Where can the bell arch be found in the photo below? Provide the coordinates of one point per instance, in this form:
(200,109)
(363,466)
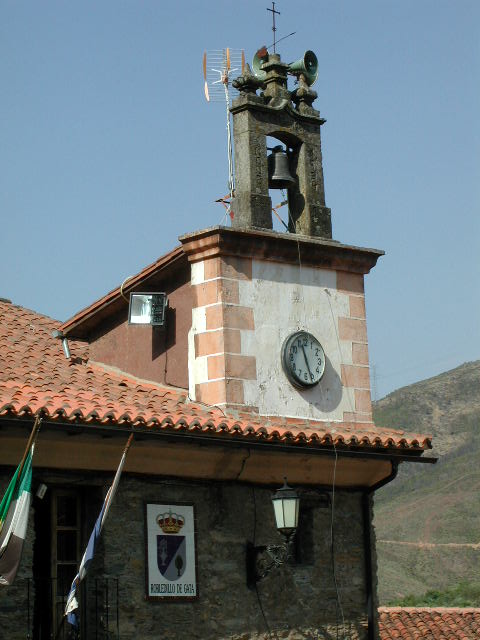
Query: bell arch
(257,117)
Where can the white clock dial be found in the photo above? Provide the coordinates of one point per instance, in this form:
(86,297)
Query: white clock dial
(303,359)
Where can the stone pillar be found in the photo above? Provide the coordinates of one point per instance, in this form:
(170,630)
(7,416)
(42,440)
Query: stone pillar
(251,206)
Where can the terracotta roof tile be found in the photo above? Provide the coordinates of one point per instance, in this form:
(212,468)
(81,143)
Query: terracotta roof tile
(440,623)
(36,377)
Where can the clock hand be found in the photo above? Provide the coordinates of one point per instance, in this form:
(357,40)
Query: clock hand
(306,362)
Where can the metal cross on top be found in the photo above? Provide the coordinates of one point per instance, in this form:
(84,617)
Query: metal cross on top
(274,28)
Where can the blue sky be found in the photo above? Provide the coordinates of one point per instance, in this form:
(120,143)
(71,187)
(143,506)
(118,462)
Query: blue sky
(109,152)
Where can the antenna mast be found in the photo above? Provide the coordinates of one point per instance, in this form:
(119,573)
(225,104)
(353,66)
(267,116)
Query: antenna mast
(220,66)
(274,28)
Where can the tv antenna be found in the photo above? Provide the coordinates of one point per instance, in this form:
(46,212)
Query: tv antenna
(220,67)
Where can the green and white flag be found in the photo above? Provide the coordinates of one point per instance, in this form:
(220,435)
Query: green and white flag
(14,510)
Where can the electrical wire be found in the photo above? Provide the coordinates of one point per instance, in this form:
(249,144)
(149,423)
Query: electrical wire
(294,225)
(121,288)
(338,604)
(260,605)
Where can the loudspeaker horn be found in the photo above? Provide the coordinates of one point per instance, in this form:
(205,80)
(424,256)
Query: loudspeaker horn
(307,65)
(258,59)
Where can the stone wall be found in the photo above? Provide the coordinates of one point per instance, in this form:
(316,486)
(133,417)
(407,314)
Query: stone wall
(298,600)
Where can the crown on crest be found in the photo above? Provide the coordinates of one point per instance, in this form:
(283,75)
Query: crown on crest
(170,522)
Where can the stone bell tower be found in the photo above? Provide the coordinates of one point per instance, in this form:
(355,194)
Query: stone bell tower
(257,293)
(290,118)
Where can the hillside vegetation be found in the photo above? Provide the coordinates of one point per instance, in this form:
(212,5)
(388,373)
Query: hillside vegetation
(428,520)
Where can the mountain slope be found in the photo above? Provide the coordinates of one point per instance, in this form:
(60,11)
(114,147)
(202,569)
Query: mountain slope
(428,520)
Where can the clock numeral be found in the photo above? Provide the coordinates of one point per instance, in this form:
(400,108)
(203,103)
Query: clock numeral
(319,362)
(318,369)
(316,353)
(305,376)
(312,377)
(293,366)
(299,372)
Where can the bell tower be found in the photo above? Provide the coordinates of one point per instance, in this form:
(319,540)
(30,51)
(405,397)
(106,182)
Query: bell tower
(289,117)
(278,319)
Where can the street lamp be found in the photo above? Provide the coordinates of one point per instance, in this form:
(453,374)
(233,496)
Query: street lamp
(262,559)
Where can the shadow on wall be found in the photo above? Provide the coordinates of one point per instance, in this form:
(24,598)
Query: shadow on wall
(327,394)
(164,337)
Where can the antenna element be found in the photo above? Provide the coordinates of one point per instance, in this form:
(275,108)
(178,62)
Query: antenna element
(220,67)
(274,28)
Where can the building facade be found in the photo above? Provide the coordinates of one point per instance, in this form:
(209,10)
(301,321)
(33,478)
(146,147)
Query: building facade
(259,372)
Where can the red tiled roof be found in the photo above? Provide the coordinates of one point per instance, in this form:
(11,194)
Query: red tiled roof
(440,623)
(36,377)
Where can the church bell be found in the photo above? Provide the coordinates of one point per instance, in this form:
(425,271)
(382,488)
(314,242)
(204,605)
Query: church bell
(278,171)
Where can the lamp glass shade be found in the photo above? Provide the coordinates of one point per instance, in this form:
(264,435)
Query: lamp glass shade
(148,308)
(286,507)
(140,308)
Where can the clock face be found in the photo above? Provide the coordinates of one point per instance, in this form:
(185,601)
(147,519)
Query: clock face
(303,359)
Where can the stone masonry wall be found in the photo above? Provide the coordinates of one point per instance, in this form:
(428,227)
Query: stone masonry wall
(299,600)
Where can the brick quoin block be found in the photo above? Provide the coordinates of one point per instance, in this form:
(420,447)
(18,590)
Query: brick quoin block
(359,353)
(352,329)
(213,291)
(229,316)
(357,307)
(205,293)
(211,268)
(216,367)
(363,402)
(220,341)
(220,392)
(348,416)
(232,366)
(357,377)
(350,282)
(228,267)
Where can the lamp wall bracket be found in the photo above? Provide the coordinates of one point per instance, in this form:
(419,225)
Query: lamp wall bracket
(261,560)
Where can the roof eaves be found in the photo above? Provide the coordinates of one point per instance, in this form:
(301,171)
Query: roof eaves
(73,324)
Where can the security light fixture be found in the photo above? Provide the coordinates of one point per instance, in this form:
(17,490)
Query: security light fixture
(148,308)
(262,559)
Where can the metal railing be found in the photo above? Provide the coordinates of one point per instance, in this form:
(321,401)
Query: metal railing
(98,613)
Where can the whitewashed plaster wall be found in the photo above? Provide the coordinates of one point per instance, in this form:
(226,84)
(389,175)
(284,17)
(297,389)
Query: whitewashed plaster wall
(287,298)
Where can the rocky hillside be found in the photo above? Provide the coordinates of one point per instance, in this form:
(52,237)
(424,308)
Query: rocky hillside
(428,520)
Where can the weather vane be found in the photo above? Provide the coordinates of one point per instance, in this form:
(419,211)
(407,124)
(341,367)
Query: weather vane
(274,28)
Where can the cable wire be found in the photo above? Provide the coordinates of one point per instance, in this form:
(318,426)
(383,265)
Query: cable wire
(332,546)
(260,605)
(294,225)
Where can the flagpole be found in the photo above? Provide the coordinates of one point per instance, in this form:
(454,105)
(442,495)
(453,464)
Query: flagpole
(72,604)
(31,439)
(116,479)
(18,472)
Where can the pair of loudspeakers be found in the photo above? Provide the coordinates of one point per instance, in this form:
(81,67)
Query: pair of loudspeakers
(306,66)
